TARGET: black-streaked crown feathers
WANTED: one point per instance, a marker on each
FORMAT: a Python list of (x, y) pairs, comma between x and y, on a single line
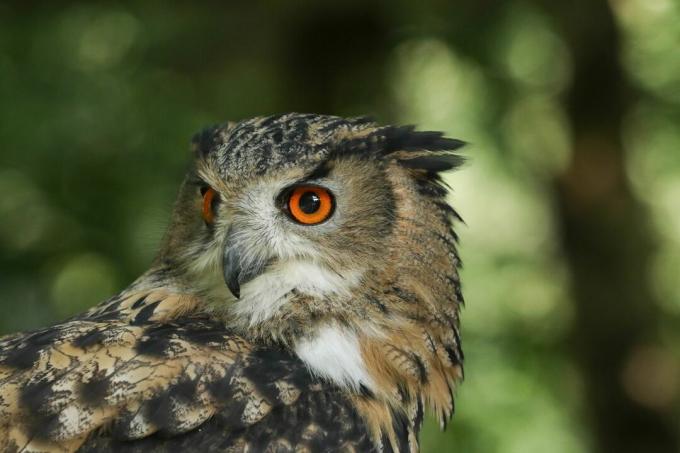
[(257, 145)]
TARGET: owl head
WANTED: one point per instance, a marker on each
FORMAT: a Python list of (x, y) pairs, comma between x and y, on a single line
[(287, 224)]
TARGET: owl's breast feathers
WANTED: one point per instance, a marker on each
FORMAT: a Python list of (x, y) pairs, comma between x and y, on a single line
[(140, 372)]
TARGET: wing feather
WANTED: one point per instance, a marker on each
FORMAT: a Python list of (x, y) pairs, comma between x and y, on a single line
[(126, 377)]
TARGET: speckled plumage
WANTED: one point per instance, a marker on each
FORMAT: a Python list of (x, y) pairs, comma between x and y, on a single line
[(176, 363)]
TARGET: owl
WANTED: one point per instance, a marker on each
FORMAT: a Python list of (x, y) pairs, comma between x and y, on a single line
[(305, 298)]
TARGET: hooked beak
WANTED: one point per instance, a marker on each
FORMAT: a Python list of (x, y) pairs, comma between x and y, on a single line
[(236, 271)]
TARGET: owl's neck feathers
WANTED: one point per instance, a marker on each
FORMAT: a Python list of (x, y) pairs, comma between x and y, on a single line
[(417, 359)]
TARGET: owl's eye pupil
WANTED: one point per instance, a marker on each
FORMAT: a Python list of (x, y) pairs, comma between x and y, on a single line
[(309, 203)]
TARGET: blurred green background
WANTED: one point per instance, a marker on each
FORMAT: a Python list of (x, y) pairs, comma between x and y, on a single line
[(571, 194)]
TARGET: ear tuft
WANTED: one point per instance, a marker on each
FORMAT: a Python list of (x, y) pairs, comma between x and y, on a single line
[(433, 162), (210, 138), (426, 150), (406, 138)]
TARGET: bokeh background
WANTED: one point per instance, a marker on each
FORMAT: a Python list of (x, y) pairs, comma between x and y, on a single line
[(571, 193)]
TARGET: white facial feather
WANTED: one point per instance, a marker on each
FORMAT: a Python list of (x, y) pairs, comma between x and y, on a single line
[(262, 297), (333, 353)]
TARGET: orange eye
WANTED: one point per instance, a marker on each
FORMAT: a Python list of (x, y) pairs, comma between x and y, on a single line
[(310, 205), (209, 200)]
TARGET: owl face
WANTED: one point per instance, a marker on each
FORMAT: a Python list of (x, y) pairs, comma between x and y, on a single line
[(275, 214), (288, 218), (297, 232)]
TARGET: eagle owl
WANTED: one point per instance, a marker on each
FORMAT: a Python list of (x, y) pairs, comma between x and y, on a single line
[(305, 298)]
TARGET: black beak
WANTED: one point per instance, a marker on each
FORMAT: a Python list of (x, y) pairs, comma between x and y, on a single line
[(236, 272)]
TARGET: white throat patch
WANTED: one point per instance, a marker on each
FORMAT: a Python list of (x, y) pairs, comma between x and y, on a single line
[(334, 354), (262, 297)]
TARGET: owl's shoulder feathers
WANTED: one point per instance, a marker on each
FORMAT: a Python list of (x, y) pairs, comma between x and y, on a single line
[(132, 375)]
